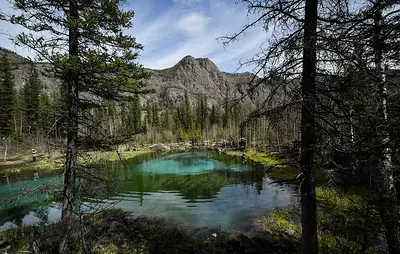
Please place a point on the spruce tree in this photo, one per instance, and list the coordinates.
(32, 89)
(213, 115)
(7, 98)
(92, 56)
(137, 114)
(156, 119)
(187, 112)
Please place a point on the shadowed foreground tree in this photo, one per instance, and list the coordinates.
(362, 34)
(294, 25)
(94, 59)
(363, 42)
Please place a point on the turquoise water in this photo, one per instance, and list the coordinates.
(197, 189)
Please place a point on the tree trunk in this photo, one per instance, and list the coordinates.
(6, 149)
(308, 135)
(71, 79)
(388, 209)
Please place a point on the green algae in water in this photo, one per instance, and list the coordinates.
(191, 163)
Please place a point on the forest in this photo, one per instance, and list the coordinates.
(328, 126)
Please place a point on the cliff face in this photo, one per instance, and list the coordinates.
(199, 76)
(21, 67)
(195, 75)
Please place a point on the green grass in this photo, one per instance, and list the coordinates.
(280, 222)
(21, 164)
(339, 202)
(278, 170)
(107, 156)
(31, 167)
(262, 158)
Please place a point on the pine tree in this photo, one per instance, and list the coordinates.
(7, 98)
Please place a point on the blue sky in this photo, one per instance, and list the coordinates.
(172, 29)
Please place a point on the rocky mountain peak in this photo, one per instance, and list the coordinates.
(196, 64)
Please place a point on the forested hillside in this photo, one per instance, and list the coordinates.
(191, 99)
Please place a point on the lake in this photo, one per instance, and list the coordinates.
(196, 189)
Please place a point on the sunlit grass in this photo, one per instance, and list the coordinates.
(339, 202)
(280, 222)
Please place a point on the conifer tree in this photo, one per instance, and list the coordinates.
(7, 99)
(92, 56)
(187, 112)
(32, 89)
(136, 113)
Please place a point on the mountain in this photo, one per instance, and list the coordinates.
(200, 76)
(197, 76)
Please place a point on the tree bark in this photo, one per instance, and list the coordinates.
(308, 135)
(72, 80)
(388, 209)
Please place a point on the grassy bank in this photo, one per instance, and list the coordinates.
(22, 164)
(277, 168)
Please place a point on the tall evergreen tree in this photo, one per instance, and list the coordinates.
(187, 112)
(136, 112)
(214, 116)
(32, 89)
(91, 54)
(7, 98)
(155, 116)
(19, 111)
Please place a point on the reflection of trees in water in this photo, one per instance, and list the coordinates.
(17, 213)
(192, 187)
(42, 213)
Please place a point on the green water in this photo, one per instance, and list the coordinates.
(196, 189)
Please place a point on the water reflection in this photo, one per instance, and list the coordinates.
(194, 188)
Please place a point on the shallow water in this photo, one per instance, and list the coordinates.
(196, 189)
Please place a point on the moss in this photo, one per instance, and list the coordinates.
(283, 173)
(339, 202)
(263, 158)
(278, 168)
(280, 222)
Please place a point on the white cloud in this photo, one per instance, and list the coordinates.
(225, 19)
(193, 24)
(171, 31)
(187, 1)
